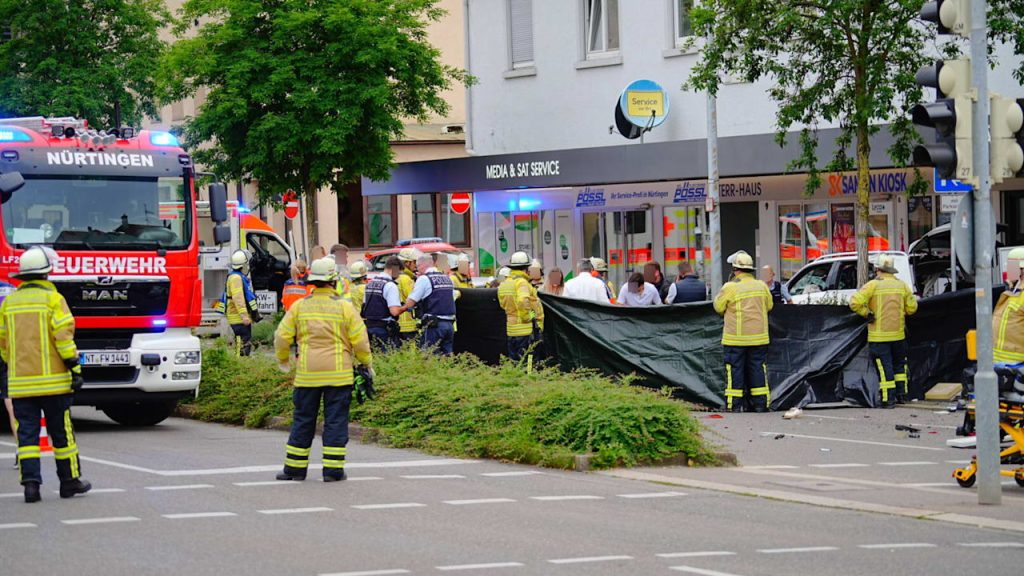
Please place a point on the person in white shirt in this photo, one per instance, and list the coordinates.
(636, 292)
(584, 286)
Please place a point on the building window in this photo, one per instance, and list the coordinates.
(520, 19)
(601, 18)
(380, 220)
(683, 25)
(423, 225)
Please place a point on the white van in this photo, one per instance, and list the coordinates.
(832, 279)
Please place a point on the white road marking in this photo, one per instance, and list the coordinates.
(363, 478)
(897, 545)
(107, 520)
(911, 463)
(479, 501)
(568, 497)
(959, 462)
(179, 487)
(101, 491)
(696, 554)
(992, 544)
(368, 573)
(190, 516)
(851, 441)
(266, 483)
(17, 525)
(797, 550)
(12, 495)
(509, 474)
(388, 506)
(652, 495)
(847, 465)
(772, 467)
(432, 476)
(296, 510)
(479, 566)
(700, 571)
(586, 559)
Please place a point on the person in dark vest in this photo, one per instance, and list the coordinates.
(653, 275)
(381, 306)
(688, 288)
(434, 294)
(780, 294)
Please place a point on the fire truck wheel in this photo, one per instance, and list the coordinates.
(140, 413)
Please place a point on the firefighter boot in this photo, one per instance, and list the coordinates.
(286, 475)
(70, 488)
(32, 492)
(335, 476)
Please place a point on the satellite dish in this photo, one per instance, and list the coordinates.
(625, 127)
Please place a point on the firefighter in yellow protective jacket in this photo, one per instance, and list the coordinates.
(240, 305)
(332, 338)
(37, 334)
(406, 281)
(1008, 316)
(886, 301)
(745, 302)
(357, 291)
(461, 275)
(519, 300)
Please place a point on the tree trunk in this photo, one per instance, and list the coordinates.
(312, 221)
(863, 202)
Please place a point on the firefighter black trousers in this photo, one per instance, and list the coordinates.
(57, 410)
(336, 401)
(890, 359)
(746, 378)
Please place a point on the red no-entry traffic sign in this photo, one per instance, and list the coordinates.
(460, 202)
(291, 204)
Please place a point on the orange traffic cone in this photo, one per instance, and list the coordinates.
(44, 437)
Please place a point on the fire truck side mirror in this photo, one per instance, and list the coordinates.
(221, 234)
(218, 202)
(9, 184)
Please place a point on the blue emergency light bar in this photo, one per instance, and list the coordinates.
(162, 139)
(12, 135)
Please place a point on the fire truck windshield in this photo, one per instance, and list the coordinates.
(99, 213)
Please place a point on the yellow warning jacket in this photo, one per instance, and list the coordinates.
(37, 333)
(518, 300)
(330, 333)
(1008, 328)
(235, 307)
(406, 281)
(461, 281)
(538, 308)
(745, 303)
(891, 301)
(357, 294)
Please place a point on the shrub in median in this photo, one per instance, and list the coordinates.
(462, 407)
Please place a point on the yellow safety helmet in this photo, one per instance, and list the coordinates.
(357, 270)
(409, 254)
(323, 270)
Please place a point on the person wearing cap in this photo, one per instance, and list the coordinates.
(406, 281)
(357, 292)
(601, 272)
(295, 288)
(332, 339)
(886, 302)
(382, 306)
(586, 286)
(239, 302)
(461, 275)
(744, 302)
(518, 299)
(37, 341)
(1008, 315)
(433, 295)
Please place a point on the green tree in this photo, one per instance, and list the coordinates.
(81, 58)
(1006, 24)
(305, 94)
(845, 62)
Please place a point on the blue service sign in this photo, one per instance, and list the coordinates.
(644, 103)
(943, 186)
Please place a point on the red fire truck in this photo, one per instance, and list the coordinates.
(119, 209)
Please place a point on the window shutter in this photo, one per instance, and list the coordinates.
(521, 24)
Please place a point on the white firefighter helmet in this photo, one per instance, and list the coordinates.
(357, 270)
(463, 257)
(504, 272)
(743, 261)
(239, 259)
(409, 254)
(886, 263)
(322, 270)
(36, 260)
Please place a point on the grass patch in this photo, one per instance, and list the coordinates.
(459, 406)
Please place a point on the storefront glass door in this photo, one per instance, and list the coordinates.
(622, 238)
(684, 239)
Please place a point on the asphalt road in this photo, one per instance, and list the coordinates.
(193, 498)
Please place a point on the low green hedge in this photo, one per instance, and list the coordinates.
(461, 407)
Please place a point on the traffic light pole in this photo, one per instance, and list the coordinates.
(986, 392)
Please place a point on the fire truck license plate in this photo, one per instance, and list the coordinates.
(106, 358)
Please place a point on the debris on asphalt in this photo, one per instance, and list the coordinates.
(714, 416)
(913, 435)
(794, 412)
(905, 428)
(825, 449)
(779, 436)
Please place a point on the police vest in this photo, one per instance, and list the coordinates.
(375, 306)
(441, 301)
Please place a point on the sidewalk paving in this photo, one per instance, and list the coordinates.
(849, 458)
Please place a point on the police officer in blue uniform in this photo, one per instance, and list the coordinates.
(382, 306)
(434, 294)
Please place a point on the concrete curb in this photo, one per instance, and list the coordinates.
(823, 501)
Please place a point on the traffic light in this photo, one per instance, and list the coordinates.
(952, 16)
(1007, 119)
(950, 116)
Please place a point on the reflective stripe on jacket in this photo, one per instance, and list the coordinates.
(357, 294)
(745, 303)
(517, 298)
(1008, 328)
(343, 288)
(329, 333)
(237, 293)
(293, 292)
(891, 301)
(406, 281)
(37, 333)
